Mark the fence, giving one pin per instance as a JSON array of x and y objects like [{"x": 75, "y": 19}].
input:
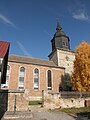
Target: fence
[{"x": 75, "y": 94}]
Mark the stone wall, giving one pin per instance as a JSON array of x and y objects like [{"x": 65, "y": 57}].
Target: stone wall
[
  {"x": 54, "y": 100},
  {"x": 17, "y": 100}
]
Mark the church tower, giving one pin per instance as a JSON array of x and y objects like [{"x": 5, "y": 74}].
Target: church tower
[
  {"x": 61, "y": 54},
  {"x": 60, "y": 40}
]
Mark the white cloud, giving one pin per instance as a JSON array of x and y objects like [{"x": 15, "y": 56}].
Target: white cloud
[
  {"x": 78, "y": 10},
  {"x": 80, "y": 15},
  {"x": 25, "y": 52},
  {"x": 7, "y": 21}
]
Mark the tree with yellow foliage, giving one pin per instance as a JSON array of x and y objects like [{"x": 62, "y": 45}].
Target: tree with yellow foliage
[{"x": 81, "y": 73}]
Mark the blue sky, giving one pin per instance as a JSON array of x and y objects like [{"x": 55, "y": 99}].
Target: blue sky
[{"x": 29, "y": 25}]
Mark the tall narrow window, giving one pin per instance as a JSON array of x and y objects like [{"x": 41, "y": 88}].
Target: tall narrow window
[
  {"x": 49, "y": 77},
  {"x": 21, "y": 78},
  {"x": 36, "y": 79},
  {"x": 7, "y": 75},
  {"x": 7, "y": 78}
]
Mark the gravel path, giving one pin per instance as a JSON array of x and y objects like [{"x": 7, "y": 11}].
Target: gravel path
[
  {"x": 51, "y": 116},
  {"x": 42, "y": 115}
]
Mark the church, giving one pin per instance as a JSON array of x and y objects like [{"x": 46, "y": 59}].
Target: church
[{"x": 33, "y": 75}]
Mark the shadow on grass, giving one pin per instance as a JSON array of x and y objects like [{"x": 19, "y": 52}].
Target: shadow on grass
[
  {"x": 37, "y": 102},
  {"x": 85, "y": 115},
  {"x": 82, "y": 113}
]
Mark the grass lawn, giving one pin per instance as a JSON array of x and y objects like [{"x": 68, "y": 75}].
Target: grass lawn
[
  {"x": 37, "y": 102},
  {"x": 75, "y": 110}
]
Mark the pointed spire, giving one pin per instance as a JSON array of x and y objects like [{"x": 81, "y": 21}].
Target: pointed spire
[{"x": 58, "y": 26}]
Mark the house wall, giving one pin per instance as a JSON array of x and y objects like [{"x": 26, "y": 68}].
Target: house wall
[{"x": 29, "y": 78}]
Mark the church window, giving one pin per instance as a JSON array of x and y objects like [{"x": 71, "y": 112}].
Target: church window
[
  {"x": 36, "y": 79},
  {"x": 66, "y": 44},
  {"x": 49, "y": 77},
  {"x": 21, "y": 78},
  {"x": 63, "y": 43}
]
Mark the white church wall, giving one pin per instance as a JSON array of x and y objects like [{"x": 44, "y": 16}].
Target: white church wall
[{"x": 66, "y": 59}]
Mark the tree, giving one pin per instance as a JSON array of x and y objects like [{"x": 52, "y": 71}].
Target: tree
[{"x": 81, "y": 73}]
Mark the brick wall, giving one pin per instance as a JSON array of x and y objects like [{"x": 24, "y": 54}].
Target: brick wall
[{"x": 29, "y": 78}]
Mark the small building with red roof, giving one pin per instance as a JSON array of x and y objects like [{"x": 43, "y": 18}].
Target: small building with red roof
[{"x": 4, "y": 51}]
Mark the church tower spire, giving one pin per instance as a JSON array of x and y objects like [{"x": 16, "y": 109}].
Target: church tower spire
[
  {"x": 58, "y": 26},
  {"x": 60, "y": 39}
]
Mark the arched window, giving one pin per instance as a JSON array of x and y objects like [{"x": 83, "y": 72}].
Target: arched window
[
  {"x": 21, "y": 78},
  {"x": 36, "y": 79},
  {"x": 49, "y": 77}
]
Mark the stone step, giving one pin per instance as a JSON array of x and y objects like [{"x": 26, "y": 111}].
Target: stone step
[{"x": 10, "y": 115}]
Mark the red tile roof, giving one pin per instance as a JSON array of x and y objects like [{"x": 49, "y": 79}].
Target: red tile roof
[{"x": 4, "y": 46}]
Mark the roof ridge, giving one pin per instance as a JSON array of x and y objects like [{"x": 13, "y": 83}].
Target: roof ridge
[
  {"x": 29, "y": 60},
  {"x": 30, "y": 57}
]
